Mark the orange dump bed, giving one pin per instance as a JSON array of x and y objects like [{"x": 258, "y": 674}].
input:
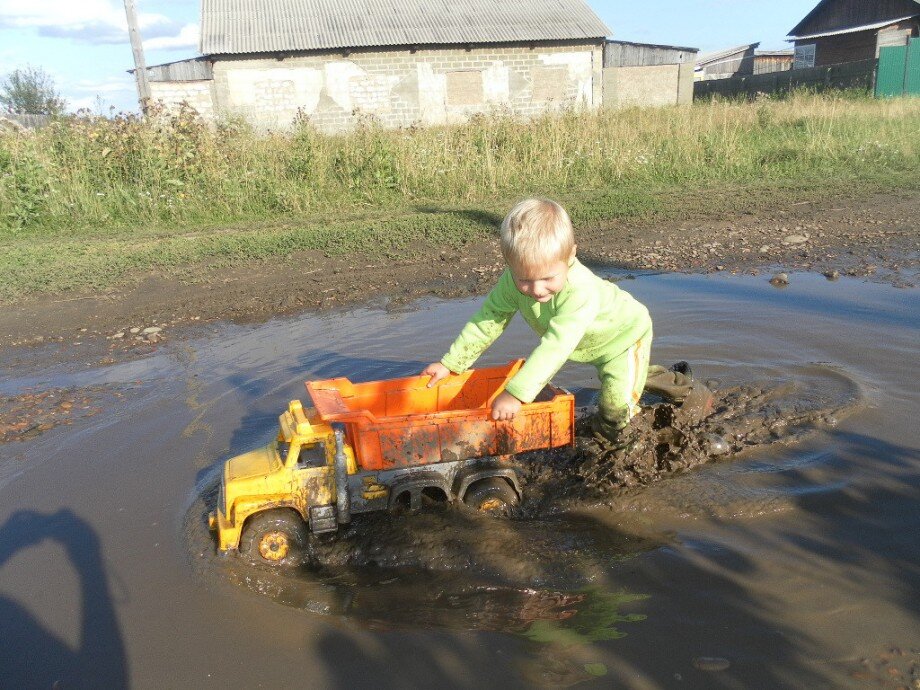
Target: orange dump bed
[{"x": 403, "y": 423}]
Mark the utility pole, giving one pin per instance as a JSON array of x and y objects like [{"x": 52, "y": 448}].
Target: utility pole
[{"x": 137, "y": 47}]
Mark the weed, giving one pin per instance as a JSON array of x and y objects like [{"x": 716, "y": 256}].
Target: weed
[{"x": 92, "y": 199}]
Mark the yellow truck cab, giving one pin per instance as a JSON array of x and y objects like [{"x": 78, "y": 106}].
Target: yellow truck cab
[{"x": 294, "y": 472}]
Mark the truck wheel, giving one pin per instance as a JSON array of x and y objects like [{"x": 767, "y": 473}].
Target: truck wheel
[
  {"x": 277, "y": 538},
  {"x": 494, "y": 496}
]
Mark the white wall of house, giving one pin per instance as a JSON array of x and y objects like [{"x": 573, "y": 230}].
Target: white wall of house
[
  {"x": 398, "y": 87},
  {"x": 197, "y": 94}
]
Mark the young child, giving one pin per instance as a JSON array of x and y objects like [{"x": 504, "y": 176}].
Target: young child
[{"x": 578, "y": 315}]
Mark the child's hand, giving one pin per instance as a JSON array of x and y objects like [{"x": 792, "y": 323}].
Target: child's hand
[
  {"x": 436, "y": 371},
  {"x": 505, "y": 406}
]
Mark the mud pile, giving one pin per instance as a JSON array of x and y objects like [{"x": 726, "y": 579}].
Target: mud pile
[{"x": 667, "y": 439}]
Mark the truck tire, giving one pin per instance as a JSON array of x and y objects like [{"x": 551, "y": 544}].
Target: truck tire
[
  {"x": 494, "y": 496},
  {"x": 277, "y": 538}
]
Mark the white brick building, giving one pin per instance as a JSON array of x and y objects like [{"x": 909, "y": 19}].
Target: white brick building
[{"x": 402, "y": 62}]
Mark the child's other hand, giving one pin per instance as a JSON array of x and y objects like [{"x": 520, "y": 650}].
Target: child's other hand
[
  {"x": 436, "y": 371},
  {"x": 505, "y": 406}
]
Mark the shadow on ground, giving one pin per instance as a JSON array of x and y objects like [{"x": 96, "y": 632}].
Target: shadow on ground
[{"x": 31, "y": 655}]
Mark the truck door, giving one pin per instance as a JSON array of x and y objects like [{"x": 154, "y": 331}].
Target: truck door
[{"x": 313, "y": 482}]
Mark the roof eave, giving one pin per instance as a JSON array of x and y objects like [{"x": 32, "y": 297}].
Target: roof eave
[
  {"x": 719, "y": 55},
  {"x": 406, "y": 45},
  {"x": 851, "y": 30}
]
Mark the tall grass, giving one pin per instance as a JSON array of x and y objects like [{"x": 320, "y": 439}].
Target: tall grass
[{"x": 95, "y": 176}]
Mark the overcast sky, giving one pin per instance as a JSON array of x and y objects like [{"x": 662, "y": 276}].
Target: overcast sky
[{"x": 83, "y": 44}]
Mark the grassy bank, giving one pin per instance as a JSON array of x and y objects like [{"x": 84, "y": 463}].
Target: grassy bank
[{"x": 89, "y": 203}]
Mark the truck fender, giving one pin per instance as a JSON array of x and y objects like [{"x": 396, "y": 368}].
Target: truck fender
[
  {"x": 254, "y": 507},
  {"x": 415, "y": 485},
  {"x": 466, "y": 479}
]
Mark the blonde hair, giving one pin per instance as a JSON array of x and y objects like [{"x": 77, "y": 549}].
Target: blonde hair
[{"x": 537, "y": 232}]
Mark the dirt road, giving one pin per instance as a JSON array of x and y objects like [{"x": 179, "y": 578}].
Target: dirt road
[{"x": 875, "y": 237}]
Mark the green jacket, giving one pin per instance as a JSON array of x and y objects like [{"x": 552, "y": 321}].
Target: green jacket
[{"x": 590, "y": 319}]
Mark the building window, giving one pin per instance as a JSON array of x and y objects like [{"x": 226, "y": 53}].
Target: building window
[
  {"x": 464, "y": 88},
  {"x": 804, "y": 56}
]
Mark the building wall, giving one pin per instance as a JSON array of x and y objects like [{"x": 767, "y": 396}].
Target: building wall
[
  {"x": 734, "y": 65},
  {"x": 628, "y": 54},
  {"x": 764, "y": 64},
  {"x": 653, "y": 85},
  {"x": 402, "y": 87},
  {"x": 859, "y": 45},
  {"x": 197, "y": 94}
]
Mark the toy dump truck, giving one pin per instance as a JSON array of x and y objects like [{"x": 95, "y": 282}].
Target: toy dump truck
[{"x": 381, "y": 445}]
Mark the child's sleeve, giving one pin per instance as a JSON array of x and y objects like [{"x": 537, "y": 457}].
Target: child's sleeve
[
  {"x": 575, "y": 312},
  {"x": 484, "y": 328}
]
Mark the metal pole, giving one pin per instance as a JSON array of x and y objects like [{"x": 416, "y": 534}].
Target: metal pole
[{"x": 137, "y": 47}]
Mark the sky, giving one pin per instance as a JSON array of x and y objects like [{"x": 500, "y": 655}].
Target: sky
[{"x": 83, "y": 44}]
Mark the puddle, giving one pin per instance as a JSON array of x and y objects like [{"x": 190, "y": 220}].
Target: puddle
[{"x": 621, "y": 569}]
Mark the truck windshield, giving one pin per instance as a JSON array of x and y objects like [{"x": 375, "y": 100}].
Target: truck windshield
[{"x": 313, "y": 455}]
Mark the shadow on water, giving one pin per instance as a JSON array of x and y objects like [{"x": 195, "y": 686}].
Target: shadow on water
[
  {"x": 845, "y": 541},
  {"x": 868, "y": 527},
  {"x": 33, "y": 656}
]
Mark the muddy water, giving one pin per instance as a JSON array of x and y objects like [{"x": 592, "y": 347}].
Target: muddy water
[{"x": 791, "y": 561}]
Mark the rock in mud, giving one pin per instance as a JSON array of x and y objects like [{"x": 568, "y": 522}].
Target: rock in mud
[
  {"x": 780, "y": 280},
  {"x": 711, "y": 663},
  {"x": 716, "y": 445},
  {"x": 831, "y": 275}
]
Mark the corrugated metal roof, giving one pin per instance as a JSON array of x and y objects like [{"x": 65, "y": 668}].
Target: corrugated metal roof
[
  {"x": 854, "y": 29},
  {"x": 267, "y": 26},
  {"x": 832, "y": 17},
  {"x": 193, "y": 69},
  {"x": 720, "y": 55}
]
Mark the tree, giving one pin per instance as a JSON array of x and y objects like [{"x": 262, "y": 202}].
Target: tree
[{"x": 31, "y": 91}]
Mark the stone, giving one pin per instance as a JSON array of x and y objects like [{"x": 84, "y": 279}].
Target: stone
[
  {"x": 716, "y": 445},
  {"x": 779, "y": 280},
  {"x": 795, "y": 239},
  {"x": 711, "y": 663},
  {"x": 831, "y": 275},
  {"x": 151, "y": 330}
]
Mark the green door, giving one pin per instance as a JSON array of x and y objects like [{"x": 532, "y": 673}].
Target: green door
[
  {"x": 912, "y": 78},
  {"x": 889, "y": 81}
]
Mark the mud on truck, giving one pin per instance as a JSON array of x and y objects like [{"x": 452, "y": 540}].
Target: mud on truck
[{"x": 377, "y": 446}]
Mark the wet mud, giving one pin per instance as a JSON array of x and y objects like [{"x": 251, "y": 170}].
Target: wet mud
[
  {"x": 668, "y": 439},
  {"x": 31, "y": 413}
]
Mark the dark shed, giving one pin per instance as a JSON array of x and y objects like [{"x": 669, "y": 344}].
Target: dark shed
[{"x": 838, "y": 31}]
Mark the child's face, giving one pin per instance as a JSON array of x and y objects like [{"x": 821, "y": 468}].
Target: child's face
[{"x": 541, "y": 282}]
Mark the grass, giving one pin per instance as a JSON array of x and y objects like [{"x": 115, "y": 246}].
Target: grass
[{"x": 89, "y": 203}]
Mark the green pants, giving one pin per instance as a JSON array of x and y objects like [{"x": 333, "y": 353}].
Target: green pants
[{"x": 622, "y": 381}]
